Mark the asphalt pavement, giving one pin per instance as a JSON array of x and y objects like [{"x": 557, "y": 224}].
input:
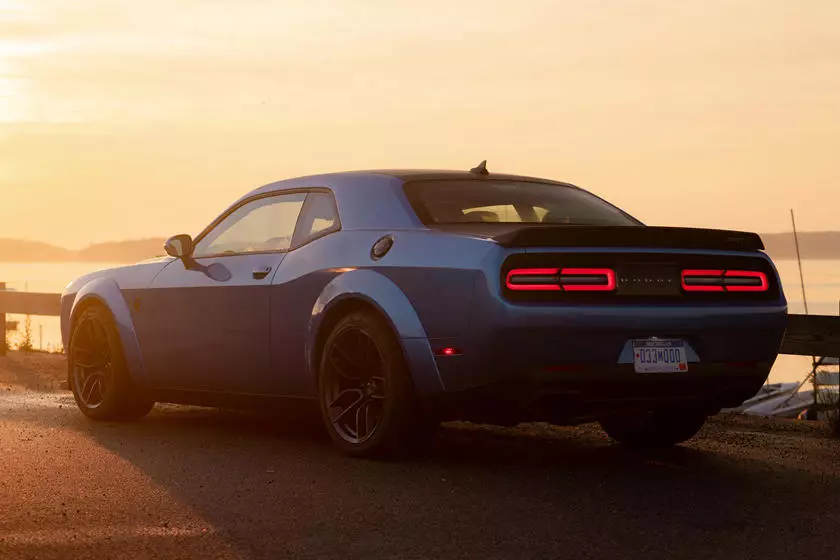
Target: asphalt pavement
[{"x": 200, "y": 483}]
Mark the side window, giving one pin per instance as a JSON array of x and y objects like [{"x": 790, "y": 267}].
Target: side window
[
  {"x": 265, "y": 224},
  {"x": 319, "y": 216}
]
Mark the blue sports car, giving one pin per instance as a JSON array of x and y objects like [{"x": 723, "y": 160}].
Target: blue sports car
[{"x": 395, "y": 300}]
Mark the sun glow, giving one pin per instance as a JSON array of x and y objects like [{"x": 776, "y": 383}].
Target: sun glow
[{"x": 661, "y": 108}]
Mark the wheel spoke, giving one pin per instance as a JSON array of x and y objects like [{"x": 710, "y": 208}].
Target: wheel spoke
[
  {"x": 351, "y": 408},
  {"x": 361, "y": 421},
  {"x": 360, "y": 349},
  {"x": 371, "y": 417},
  {"x": 341, "y": 368},
  {"x": 100, "y": 388},
  {"x": 89, "y": 385},
  {"x": 83, "y": 351},
  {"x": 344, "y": 353},
  {"x": 355, "y": 393},
  {"x": 89, "y": 335},
  {"x": 78, "y": 347},
  {"x": 101, "y": 338},
  {"x": 83, "y": 342},
  {"x": 364, "y": 351},
  {"x": 95, "y": 389}
]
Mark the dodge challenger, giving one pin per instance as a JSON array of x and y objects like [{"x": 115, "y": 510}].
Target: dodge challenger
[{"x": 394, "y": 300}]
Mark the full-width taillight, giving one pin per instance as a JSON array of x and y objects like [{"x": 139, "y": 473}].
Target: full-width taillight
[
  {"x": 561, "y": 279},
  {"x": 724, "y": 281}
]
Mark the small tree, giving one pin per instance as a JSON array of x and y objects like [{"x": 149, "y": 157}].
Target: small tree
[{"x": 25, "y": 344}]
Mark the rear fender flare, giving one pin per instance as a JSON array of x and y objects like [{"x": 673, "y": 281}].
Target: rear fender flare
[
  {"x": 106, "y": 292},
  {"x": 383, "y": 294}
]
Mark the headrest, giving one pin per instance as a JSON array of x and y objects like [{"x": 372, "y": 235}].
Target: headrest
[{"x": 481, "y": 216}]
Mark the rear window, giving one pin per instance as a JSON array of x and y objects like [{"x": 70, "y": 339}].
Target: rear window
[{"x": 498, "y": 201}]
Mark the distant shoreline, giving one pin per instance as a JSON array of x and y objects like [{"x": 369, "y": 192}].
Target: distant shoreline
[{"x": 23, "y": 251}]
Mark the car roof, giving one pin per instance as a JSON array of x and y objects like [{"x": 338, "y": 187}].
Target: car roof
[
  {"x": 375, "y": 198},
  {"x": 408, "y": 175}
]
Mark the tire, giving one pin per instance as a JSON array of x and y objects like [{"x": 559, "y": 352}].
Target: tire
[
  {"x": 658, "y": 429},
  {"x": 98, "y": 375},
  {"x": 365, "y": 391}
]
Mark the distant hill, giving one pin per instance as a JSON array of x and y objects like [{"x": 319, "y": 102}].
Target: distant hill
[
  {"x": 812, "y": 245},
  {"x": 31, "y": 251},
  {"x": 18, "y": 250},
  {"x": 123, "y": 251}
]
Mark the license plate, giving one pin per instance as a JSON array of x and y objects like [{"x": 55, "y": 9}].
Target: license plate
[{"x": 659, "y": 356}]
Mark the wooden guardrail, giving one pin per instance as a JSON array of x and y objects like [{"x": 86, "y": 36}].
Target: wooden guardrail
[
  {"x": 812, "y": 335},
  {"x": 25, "y": 303}
]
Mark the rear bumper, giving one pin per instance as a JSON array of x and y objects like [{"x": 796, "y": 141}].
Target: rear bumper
[
  {"x": 569, "y": 363},
  {"x": 504, "y": 339},
  {"x": 569, "y": 397}
]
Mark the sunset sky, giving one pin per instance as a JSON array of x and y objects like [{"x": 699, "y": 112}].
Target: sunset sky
[{"x": 125, "y": 119}]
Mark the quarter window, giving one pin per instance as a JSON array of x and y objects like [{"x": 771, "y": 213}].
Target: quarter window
[
  {"x": 319, "y": 217},
  {"x": 262, "y": 225}
]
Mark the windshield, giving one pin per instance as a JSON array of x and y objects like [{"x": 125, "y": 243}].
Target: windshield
[{"x": 504, "y": 201}]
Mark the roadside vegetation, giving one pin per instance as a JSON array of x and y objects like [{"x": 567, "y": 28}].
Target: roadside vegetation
[
  {"x": 25, "y": 342},
  {"x": 22, "y": 341},
  {"x": 828, "y": 401}
]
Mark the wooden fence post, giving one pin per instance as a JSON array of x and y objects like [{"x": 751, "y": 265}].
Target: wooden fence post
[{"x": 2, "y": 325}]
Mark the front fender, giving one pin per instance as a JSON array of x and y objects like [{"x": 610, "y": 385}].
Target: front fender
[
  {"x": 105, "y": 291},
  {"x": 381, "y": 292}
]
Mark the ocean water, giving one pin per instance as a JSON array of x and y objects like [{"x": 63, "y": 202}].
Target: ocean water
[{"x": 822, "y": 284}]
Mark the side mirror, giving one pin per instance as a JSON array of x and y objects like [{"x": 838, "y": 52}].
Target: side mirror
[{"x": 179, "y": 246}]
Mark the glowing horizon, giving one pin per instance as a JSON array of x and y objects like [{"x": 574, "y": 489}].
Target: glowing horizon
[{"x": 122, "y": 121}]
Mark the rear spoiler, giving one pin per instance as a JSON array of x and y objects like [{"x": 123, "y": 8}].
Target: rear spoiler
[{"x": 514, "y": 235}]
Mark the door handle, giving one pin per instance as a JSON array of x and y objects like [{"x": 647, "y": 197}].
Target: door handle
[{"x": 260, "y": 273}]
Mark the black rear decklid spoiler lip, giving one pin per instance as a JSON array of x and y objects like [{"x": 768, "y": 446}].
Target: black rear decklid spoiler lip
[{"x": 515, "y": 235}]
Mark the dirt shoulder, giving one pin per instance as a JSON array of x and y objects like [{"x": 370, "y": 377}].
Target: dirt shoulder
[{"x": 32, "y": 371}]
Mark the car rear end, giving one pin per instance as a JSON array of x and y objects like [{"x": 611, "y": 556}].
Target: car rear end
[
  {"x": 623, "y": 328},
  {"x": 595, "y": 315}
]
